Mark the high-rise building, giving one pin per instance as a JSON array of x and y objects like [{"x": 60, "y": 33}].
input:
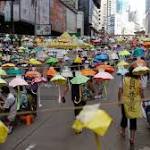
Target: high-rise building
[
  {"x": 91, "y": 15},
  {"x": 147, "y": 16}
]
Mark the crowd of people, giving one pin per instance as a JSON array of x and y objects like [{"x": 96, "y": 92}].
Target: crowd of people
[{"x": 131, "y": 86}]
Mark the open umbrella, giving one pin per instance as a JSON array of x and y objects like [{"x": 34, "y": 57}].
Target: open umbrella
[
  {"x": 138, "y": 52},
  {"x": 141, "y": 70},
  {"x": 14, "y": 71},
  {"x": 88, "y": 72},
  {"x": 101, "y": 57},
  {"x": 139, "y": 62},
  {"x": 52, "y": 61},
  {"x": 51, "y": 72},
  {"x": 122, "y": 64},
  {"x": 79, "y": 79},
  {"x": 78, "y": 60},
  {"x": 2, "y": 72},
  {"x": 124, "y": 53},
  {"x": 122, "y": 71},
  {"x": 106, "y": 68},
  {"x": 3, "y": 132},
  {"x": 94, "y": 119},
  {"x": 2, "y": 81},
  {"x": 32, "y": 74},
  {"x": 16, "y": 82},
  {"x": 8, "y": 65},
  {"x": 66, "y": 72},
  {"x": 33, "y": 61},
  {"x": 59, "y": 80}
]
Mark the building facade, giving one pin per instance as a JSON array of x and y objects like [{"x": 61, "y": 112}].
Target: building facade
[
  {"x": 91, "y": 16},
  {"x": 147, "y": 16}
]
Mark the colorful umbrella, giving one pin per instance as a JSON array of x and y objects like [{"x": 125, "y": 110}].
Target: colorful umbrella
[
  {"x": 88, "y": 72},
  {"x": 94, "y": 119},
  {"x": 52, "y": 61},
  {"x": 60, "y": 80},
  {"x": 17, "y": 81},
  {"x": 124, "y": 53},
  {"x": 106, "y": 68},
  {"x": 2, "y": 72},
  {"x": 78, "y": 60},
  {"x": 8, "y": 65},
  {"x": 32, "y": 74},
  {"x": 141, "y": 70},
  {"x": 138, "y": 52},
  {"x": 33, "y": 61},
  {"x": 103, "y": 75},
  {"x": 51, "y": 72},
  {"x": 122, "y": 64},
  {"x": 122, "y": 71},
  {"x": 2, "y": 81},
  {"x": 3, "y": 132},
  {"x": 14, "y": 71},
  {"x": 79, "y": 79},
  {"x": 101, "y": 57},
  {"x": 66, "y": 72},
  {"x": 139, "y": 62}
]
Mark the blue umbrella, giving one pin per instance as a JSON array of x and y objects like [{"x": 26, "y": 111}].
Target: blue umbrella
[{"x": 101, "y": 57}]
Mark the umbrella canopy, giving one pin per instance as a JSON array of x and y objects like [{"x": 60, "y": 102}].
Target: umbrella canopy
[
  {"x": 124, "y": 53},
  {"x": 66, "y": 72},
  {"x": 17, "y": 81},
  {"x": 101, "y": 57},
  {"x": 2, "y": 72},
  {"x": 79, "y": 79},
  {"x": 52, "y": 61},
  {"x": 122, "y": 71},
  {"x": 58, "y": 79},
  {"x": 78, "y": 60},
  {"x": 106, "y": 68},
  {"x": 141, "y": 70},
  {"x": 33, "y": 61},
  {"x": 2, "y": 81},
  {"x": 139, "y": 62},
  {"x": 33, "y": 74},
  {"x": 4, "y": 132},
  {"x": 8, "y": 65},
  {"x": 88, "y": 72},
  {"x": 122, "y": 64},
  {"x": 51, "y": 72},
  {"x": 104, "y": 76},
  {"x": 138, "y": 52},
  {"x": 93, "y": 118},
  {"x": 14, "y": 71}
]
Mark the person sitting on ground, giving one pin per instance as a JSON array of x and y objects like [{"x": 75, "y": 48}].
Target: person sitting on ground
[{"x": 9, "y": 107}]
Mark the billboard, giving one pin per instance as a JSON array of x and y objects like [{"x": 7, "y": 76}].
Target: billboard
[{"x": 57, "y": 16}]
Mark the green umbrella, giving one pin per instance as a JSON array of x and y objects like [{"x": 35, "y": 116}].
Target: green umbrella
[
  {"x": 79, "y": 79},
  {"x": 124, "y": 53},
  {"x": 14, "y": 71},
  {"x": 2, "y": 72},
  {"x": 52, "y": 61}
]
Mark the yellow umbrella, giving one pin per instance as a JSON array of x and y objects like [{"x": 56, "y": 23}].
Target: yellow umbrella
[
  {"x": 59, "y": 80},
  {"x": 91, "y": 117},
  {"x": 33, "y": 61},
  {"x": 8, "y": 65},
  {"x": 141, "y": 70},
  {"x": 3, "y": 132},
  {"x": 122, "y": 64}
]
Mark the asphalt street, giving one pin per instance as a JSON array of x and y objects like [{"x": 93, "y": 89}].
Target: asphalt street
[{"x": 52, "y": 129}]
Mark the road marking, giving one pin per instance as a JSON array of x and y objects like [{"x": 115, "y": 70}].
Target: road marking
[{"x": 30, "y": 147}]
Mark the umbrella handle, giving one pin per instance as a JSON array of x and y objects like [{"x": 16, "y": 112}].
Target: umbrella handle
[
  {"x": 97, "y": 141},
  {"x": 80, "y": 97},
  {"x": 59, "y": 92}
]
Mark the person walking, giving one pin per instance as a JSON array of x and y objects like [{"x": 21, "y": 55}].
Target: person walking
[{"x": 130, "y": 95}]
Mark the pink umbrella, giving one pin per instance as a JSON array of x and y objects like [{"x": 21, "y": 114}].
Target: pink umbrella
[
  {"x": 17, "y": 81},
  {"x": 104, "y": 76}
]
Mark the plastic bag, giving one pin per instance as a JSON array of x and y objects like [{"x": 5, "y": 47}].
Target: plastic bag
[{"x": 3, "y": 132}]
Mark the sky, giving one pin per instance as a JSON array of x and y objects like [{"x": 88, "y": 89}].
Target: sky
[{"x": 138, "y": 5}]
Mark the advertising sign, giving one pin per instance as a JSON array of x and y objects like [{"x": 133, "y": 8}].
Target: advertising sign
[{"x": 43, "y": 29}]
